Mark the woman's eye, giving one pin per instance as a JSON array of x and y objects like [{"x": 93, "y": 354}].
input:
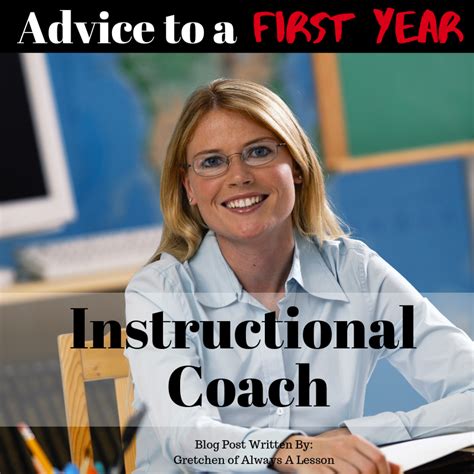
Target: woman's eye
[
  {"x": 212, "y": 162},
  {"x": 259, "y": 151}
]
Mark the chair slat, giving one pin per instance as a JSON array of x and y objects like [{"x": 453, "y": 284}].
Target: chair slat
[
  {"x": 74, "y": 399},
  {"x": 124, "y": 394},
  {"x": 79, "y": 366}
]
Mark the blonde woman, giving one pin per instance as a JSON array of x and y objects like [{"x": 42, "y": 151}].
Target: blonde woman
[{"x": 247, "y": 369}]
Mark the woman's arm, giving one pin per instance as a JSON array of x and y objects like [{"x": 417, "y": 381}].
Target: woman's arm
[
  {"x": 350, "y": 454},
  {"x": 440, "y": 368}
]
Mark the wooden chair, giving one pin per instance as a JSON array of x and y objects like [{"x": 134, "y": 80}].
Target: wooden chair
[{"x": 79, "y": 366}]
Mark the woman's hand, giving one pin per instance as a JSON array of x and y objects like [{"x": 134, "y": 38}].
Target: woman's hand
[{"x": 351, "y": 454}]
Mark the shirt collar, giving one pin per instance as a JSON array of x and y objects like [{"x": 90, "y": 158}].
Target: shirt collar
[
  {"x": 312, "y": 273},
  {"x": 216, "y": 285}
]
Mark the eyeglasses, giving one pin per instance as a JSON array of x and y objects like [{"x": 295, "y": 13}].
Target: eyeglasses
[{"x": 211, "y": 165}]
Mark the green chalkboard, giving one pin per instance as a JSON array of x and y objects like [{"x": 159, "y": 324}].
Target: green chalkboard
[{"x": 400, "y": 101}]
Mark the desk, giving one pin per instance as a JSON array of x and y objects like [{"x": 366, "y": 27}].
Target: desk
[
  {"x": 33, "y": 314},
  {"x": 48, "y": 289}
]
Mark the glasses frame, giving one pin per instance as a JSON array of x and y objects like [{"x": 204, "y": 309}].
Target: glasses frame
[{"x": 244, "y": 160}]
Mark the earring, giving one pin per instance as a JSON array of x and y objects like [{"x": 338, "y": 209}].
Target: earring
[{"x": 190, "y": 200}]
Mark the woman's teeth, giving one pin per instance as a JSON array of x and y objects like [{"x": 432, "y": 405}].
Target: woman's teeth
[{"x": 241, "y": 203}]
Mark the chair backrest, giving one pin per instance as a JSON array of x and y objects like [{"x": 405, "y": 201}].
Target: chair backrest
[{"x": 79, "y": 366}]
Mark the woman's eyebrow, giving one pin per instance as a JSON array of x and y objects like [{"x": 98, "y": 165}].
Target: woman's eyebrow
[
  {"x": 217, "y": 150},
  {"x": 205, "y": 152}
]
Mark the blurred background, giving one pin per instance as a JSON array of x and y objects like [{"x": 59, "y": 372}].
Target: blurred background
[{"x": 98, "y": 125}]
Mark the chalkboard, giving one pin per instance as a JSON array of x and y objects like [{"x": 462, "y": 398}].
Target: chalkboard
[{"x": 379, "y": 109}]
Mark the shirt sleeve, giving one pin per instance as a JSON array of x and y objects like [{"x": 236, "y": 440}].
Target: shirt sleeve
[
  {"x": 178, "y": 428},
  {"x": 440, "y": 367}
]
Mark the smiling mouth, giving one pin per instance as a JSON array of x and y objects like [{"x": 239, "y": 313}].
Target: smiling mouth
[{"x": 245, "y": 203}]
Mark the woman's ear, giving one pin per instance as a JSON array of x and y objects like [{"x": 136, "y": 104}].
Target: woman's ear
[
  {"x": 298, "y": 179},
  {"x": 297, "y": 174},
  {"x": 188, "y": 188}
]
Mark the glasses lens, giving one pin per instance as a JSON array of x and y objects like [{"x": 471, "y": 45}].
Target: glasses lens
[
  {"x": 260, "y": 153},
  {"x": 210, "y": 165},
  {"x": 256, "y": 154}
]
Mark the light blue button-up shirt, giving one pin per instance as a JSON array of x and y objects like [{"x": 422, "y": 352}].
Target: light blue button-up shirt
[{"x": 341, "y": 281}]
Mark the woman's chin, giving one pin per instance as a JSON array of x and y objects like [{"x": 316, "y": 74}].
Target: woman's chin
[{"x": 245, "y": 234}]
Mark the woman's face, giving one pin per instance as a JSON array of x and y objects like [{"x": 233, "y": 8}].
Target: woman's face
[{"x": 269, "y": 190}]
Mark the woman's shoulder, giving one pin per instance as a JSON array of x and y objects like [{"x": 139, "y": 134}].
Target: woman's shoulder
[
  {"x": 165, "y": 274},
  {"x": 349, "y": 260},
  {"x": 355, "y": 264},
  {"x": 345, "y": 248}
]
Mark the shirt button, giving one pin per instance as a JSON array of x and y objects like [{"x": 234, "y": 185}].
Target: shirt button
[{"x": 280, "y": 411}]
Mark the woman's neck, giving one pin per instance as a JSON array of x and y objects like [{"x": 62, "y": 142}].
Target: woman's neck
[{"x": 262, "y": 266}]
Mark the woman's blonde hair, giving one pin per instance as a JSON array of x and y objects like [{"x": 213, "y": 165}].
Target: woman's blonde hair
[{"x": 183, "y": 227}]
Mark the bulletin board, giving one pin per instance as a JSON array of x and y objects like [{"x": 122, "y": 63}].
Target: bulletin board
[{"x": 379, "y": 110}]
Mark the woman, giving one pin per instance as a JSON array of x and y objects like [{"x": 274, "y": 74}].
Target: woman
[{"x": 249, "y": 237}]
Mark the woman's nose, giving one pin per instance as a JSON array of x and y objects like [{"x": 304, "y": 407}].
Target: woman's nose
[{"x": 239, "y": 172}]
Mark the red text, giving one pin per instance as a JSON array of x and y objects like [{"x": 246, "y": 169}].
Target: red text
[
  {"x": 312, "y": 29},
  {"x": 406, "y": 32}
]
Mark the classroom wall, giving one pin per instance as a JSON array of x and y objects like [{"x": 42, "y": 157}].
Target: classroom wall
[{"x": 104, "y": 128}]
